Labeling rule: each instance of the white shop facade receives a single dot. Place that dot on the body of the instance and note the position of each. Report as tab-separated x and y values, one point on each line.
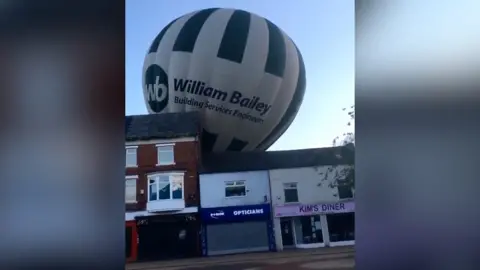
307	211
314	225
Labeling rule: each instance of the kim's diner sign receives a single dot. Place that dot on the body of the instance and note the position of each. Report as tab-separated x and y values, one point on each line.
291	210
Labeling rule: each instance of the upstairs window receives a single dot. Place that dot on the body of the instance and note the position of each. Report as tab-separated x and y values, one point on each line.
165	187
235	189
165	154
131	189
344	191
290	192
131	156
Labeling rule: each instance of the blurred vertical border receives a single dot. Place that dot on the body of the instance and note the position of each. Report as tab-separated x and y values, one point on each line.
417	113
62	112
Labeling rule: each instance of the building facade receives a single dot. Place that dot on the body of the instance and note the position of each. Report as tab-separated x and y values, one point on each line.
161	186
310	208
235	212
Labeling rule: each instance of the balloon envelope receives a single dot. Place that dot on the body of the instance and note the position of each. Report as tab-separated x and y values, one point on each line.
243	74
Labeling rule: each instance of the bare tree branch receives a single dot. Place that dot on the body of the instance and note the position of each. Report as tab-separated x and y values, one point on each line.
342	175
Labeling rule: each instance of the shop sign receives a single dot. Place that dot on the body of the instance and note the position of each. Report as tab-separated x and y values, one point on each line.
291	210
236	213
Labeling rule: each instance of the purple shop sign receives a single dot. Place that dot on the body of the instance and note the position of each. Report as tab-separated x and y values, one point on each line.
292	210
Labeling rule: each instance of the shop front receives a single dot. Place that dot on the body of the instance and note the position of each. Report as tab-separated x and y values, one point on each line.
314	225
168	236
237	229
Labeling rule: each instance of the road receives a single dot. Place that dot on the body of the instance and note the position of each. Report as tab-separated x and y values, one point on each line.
341	258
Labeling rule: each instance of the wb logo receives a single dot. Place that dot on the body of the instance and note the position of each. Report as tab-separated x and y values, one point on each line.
156	88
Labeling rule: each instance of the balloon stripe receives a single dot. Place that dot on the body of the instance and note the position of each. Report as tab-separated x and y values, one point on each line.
187	37
293	108
232	66
276	59
158	39
236	145
234	40
208	140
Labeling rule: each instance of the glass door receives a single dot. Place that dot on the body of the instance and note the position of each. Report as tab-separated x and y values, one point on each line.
287	231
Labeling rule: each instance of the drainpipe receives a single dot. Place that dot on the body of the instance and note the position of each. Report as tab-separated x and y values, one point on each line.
272	215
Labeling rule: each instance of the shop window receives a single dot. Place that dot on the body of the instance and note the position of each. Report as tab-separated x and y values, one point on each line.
341	227
344	191
308	230
235	189
131	189
131	156
290	192
165	154
165	187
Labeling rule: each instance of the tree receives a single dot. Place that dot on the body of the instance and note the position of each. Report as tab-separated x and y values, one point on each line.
342	174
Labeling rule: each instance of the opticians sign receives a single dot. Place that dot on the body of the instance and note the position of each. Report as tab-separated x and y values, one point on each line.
235	213
291	210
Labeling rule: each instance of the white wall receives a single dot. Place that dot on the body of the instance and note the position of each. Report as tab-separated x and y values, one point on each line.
307	180
212	189
309	192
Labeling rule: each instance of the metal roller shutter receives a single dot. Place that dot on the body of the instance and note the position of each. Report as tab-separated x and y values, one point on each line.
237	237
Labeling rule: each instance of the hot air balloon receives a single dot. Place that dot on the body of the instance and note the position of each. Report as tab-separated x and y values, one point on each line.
244	76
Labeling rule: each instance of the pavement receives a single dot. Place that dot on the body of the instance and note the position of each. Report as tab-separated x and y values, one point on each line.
338	258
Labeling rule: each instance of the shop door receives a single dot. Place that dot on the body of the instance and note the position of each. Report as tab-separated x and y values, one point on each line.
287	232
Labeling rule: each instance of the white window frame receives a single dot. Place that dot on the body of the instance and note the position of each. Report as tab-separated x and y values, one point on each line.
287	186
131	178
170	179
235	183
159	146
127	148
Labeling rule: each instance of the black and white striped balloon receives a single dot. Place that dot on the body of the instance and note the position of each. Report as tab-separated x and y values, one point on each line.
240	71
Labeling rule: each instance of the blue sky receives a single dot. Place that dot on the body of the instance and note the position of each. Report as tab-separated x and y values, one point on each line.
324	31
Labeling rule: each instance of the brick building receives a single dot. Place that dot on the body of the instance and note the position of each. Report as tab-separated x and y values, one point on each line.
162	153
